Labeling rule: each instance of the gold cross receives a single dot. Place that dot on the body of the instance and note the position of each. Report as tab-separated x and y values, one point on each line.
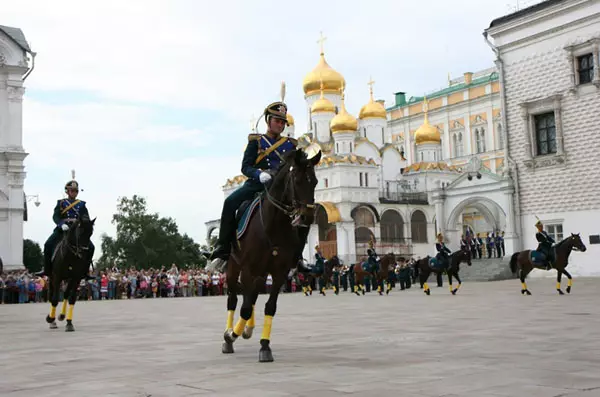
370	84
321	41
425	105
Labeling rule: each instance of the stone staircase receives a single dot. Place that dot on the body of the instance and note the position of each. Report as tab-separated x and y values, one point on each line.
492	269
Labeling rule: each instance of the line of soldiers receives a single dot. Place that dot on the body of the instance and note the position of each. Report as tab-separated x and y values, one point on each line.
492	246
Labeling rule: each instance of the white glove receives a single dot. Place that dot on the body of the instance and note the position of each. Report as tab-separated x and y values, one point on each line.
64	227
264	177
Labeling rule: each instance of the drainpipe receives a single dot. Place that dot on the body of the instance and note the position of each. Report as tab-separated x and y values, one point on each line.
33	54
507	159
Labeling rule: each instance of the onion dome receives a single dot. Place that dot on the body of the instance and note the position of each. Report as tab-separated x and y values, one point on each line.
427	133
332	80
343	121
322	105
372	110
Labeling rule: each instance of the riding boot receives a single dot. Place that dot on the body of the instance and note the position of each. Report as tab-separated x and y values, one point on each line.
47	271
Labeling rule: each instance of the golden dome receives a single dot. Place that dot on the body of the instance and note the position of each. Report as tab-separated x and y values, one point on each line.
427	133
290	120
332	80
372	110
343	121
322	104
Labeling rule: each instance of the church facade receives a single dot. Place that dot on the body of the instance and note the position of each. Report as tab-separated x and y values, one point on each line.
14	69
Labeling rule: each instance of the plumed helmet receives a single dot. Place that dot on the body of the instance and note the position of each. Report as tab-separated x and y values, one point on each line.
72	184
277	110
440	236
539	224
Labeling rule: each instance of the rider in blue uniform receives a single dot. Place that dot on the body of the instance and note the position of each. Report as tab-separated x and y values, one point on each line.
545	245
319	261
444	252
65	211
263	155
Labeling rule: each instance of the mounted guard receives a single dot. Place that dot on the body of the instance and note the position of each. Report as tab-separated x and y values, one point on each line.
544	249
262	157
66	211
319	261
443	255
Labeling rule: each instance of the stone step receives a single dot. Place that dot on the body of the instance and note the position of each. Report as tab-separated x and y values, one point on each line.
492	269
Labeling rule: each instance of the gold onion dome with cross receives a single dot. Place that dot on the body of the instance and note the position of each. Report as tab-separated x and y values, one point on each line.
427	133
322	105
372	110
343	121
332	80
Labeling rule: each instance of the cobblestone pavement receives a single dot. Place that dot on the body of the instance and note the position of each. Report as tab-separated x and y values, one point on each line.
486	341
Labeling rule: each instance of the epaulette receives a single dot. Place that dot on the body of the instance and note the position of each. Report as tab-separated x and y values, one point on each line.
294	141
253	137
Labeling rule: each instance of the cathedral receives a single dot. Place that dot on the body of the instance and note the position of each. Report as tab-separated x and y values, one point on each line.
401	174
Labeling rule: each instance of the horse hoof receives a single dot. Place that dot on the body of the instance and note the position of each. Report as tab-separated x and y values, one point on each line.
69	327
428	292
247	334
527	292
228	336
49	319
568	289
265	355
380	293
560	292
53	325
227	348
387	292
453	292
363	292
357	294
61	317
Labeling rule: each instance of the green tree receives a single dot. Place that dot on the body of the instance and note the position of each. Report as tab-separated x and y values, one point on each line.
146	240
33	258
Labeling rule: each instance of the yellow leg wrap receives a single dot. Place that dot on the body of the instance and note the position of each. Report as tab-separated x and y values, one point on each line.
379	288
524	285
355	287
304	289
309	288
63	309
450	287
557	285
570	282
251	321
425	286
266	333
70	313
239	327
458	286
334	288
230	315
52	311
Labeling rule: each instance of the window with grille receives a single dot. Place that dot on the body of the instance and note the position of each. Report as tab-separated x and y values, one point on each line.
555	231
545	133
585	68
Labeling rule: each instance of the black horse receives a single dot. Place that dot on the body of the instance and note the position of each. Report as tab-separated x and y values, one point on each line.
322	277
425	269
70	263
269	246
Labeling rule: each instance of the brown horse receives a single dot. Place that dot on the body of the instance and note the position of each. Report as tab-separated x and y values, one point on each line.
323	278
521	261
269	246
387	261
456	258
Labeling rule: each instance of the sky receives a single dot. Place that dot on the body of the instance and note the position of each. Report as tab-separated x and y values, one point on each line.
155	97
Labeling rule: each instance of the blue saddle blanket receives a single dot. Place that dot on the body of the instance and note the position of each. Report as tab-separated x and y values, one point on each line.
246	216
436	264
538	259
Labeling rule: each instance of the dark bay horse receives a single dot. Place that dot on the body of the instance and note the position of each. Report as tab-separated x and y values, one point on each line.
323	278
381	275
521	261
456	258
269	246
70	263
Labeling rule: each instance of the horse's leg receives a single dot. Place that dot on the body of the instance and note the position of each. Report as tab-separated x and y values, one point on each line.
321	281
245	314
569	282
357	277
523	273
459	282
232	299
423	277
71	293
558	279
388	285
265	355
452	290
54	285
249	329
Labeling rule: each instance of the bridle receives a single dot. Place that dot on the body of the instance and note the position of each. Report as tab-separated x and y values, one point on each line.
76	249
297	209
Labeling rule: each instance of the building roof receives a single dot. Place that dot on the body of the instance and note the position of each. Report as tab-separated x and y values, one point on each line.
528	10
488	78
17	36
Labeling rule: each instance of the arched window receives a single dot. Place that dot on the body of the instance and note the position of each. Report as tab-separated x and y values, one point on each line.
364	217
460	147
455	145
480	140
392	227
418	227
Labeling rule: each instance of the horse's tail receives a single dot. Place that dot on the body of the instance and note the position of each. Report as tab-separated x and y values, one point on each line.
513	262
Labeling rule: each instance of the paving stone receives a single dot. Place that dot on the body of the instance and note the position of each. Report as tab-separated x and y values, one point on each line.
487	341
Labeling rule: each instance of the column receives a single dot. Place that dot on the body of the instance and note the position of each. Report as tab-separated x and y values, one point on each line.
525	120
345	242
311	241
14	126
511	238
468	137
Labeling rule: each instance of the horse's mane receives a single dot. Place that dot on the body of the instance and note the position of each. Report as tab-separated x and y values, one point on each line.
561	242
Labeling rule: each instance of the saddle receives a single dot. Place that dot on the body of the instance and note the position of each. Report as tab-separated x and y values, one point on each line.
437	264
244	214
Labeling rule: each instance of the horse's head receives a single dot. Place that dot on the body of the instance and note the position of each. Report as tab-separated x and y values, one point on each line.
464	255
294	187
576	242
81	231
